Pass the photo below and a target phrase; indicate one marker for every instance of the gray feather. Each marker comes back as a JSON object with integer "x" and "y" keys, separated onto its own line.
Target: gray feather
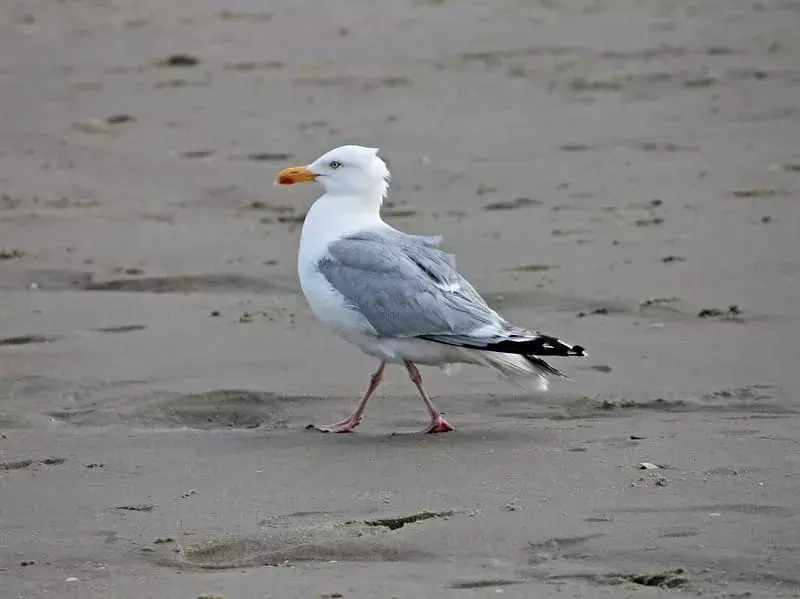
{"x": 405, "y": 286}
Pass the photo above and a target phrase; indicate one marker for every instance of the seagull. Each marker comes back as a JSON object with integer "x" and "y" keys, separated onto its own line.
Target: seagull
{"x": 398, "y": 297}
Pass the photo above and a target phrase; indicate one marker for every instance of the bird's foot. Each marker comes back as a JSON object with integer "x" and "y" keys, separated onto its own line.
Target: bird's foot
{"x": 348, "y": 425}
{"x": 438, "y": 425}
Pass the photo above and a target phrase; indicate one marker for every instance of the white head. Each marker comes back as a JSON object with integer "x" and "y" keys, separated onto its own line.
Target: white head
{"x": 353, "y": 171}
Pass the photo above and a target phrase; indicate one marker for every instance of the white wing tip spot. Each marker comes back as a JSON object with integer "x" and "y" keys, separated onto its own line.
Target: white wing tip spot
{"x": 450, "y": 287}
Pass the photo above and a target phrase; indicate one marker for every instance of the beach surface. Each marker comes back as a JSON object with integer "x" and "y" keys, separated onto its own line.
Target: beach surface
{"x": 623, "y": 174}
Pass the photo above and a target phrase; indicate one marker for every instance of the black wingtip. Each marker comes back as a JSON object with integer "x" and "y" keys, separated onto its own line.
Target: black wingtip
{"x": 541, "y": 345}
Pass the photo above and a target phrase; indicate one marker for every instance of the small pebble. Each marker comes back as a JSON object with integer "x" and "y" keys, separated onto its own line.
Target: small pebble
{"x": 647, "y": 466}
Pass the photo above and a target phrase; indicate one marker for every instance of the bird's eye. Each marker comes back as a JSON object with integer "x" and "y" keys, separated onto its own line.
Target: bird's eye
{"x": 335, "y": 164}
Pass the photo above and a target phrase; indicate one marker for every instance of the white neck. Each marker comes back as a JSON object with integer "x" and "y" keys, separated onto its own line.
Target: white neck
{"x": 332, "y": 217}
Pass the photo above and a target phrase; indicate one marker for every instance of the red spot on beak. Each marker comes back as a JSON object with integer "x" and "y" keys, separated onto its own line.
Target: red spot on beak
{"x": 294, "y": 174}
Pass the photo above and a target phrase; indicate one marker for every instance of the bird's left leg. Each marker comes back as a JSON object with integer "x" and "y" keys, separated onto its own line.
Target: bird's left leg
{"x": 349, "y": 424}
{"x": 437, "y": 424}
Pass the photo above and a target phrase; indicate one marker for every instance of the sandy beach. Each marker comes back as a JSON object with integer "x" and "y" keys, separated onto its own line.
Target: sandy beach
{"x": 623, "y": 174}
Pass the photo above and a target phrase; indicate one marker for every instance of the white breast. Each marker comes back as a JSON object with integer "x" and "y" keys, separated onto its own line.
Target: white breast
{"x": 324, "y": 224}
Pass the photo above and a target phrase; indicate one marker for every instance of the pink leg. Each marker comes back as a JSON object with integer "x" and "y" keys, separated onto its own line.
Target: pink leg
{"x": 349, "y": 424}
{"x": 437, "y": 423}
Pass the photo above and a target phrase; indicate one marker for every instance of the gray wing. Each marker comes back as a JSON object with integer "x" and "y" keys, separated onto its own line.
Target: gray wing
{"x": 405, "y": 286}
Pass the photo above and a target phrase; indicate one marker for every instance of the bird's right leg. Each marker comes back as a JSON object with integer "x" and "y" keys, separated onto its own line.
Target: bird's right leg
{"x": 349, "y": 424}
{"x": 437, "y": 423}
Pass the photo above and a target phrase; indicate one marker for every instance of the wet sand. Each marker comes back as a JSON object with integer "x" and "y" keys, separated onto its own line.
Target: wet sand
{"x": 623, "y": 174}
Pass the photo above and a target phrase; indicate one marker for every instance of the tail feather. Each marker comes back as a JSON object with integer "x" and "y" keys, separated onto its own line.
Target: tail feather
{"x": 514, "y": 368}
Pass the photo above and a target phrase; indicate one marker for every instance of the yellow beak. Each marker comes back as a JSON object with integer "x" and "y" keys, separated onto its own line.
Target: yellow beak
{"x": 294, "y": 174}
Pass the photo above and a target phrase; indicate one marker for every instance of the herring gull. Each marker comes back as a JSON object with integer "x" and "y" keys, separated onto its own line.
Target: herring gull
{"x": 398, "y": 297}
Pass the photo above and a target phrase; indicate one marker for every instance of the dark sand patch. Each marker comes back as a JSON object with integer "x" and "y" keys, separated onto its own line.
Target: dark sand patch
{"x": 533, "y": 268}
{"x": 138, "y": 507}
{"x": 390, "y": 214}
{"x": 11, "y": 253}
{"x": 482, "y": 584}
{"x": 6, "y": 465}
{"x": 513, "y": 204}
{"x": 265, "y": 157}
{"x": 213, "y": 283}
{"x": 669, "y": 579}
{"x": 180, "y": 60}
{"x": 26, "y": 340}
{"x": 680, "y": 534}
{"x": 197, "y": 153}
{"x": 122, "y": 328}
{"x": 397, "y": 523}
